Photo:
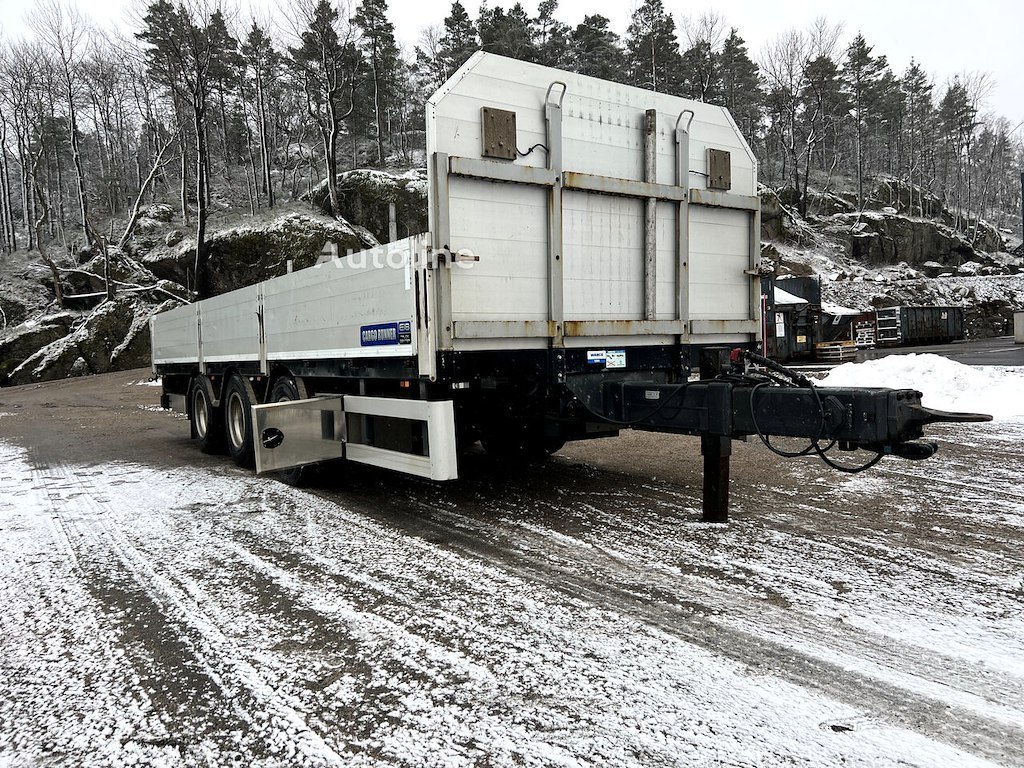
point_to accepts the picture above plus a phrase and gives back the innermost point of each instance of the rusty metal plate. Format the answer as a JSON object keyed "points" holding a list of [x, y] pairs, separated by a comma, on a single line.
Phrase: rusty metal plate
{"points": [[499, 133], [719, 169]]}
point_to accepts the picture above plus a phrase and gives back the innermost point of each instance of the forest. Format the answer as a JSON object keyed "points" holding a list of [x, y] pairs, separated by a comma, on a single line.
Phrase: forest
{"points": [[216, 111]]}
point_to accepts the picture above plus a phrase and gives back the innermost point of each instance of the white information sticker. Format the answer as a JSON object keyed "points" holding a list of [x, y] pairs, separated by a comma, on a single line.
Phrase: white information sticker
{"points": [[612, 358], [615, 358]]}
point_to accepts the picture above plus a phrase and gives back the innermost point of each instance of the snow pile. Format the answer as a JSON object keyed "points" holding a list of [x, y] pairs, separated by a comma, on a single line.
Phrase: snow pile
{"points": [[944, 384]]}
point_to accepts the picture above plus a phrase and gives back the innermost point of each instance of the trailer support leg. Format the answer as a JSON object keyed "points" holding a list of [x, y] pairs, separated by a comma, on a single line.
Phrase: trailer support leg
{"points": [[716, 451]]}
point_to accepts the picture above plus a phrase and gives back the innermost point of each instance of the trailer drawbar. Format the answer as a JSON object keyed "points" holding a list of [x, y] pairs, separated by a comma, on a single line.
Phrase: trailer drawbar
{"points": [[741, 394]]}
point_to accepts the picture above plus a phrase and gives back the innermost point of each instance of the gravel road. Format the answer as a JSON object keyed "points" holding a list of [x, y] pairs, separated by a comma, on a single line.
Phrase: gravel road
{"points": [[162, 607]]}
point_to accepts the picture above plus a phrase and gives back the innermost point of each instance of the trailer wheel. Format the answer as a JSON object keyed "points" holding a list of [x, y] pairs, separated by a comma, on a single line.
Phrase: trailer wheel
{"points": [[238, 422], [205, 419], [284, 390]]}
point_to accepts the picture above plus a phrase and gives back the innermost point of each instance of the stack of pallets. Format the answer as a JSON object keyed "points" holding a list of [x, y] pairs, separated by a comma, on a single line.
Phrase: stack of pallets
{"points": [[836, 351]]}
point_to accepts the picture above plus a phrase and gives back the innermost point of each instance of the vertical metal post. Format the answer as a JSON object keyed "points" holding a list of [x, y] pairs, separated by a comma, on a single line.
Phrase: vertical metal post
{"points": [[553, 120], [650, 216], [755, 264], [683, 221], [442, 242], [264, 365], [392, 224], [199, 337], [716, 449]]}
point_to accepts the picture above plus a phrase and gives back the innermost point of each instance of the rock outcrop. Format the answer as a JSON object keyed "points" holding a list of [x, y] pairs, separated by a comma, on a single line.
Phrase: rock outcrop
{"points": [[115, 336], [256, 250], [92, 333], [876, 239], [365, 193]]}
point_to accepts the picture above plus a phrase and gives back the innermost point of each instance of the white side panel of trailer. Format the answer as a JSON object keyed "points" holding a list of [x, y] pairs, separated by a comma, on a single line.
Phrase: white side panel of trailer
{"points": [[175, 336], [229, 326], [353, 306]]}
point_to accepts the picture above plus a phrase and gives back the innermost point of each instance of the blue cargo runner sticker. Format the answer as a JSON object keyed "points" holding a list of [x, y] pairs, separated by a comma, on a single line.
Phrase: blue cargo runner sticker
{"points": [[385, 334]]}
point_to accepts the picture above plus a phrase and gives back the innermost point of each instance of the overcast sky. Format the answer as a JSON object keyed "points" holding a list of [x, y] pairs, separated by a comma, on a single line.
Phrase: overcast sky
{"points": [[946, 37]]}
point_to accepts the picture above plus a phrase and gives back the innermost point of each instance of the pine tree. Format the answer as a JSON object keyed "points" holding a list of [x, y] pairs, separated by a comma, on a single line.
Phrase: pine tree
{"points": [[957, 116], [822, 107], [595, 50], [225, 65], [917, 93], [261, 72], [862, 74], [652, 49], [328, 66], [507, 33], [381, 51], [459, 41], [551, 36], [184, 53], [699, 75], [741, 90]]}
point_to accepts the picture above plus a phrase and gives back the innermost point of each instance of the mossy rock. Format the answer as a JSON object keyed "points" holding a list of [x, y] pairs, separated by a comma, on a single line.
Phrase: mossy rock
{"points": [[255, 250], [113, 337], [365, 194], [245, 255], [157, 212], [23, 341]]}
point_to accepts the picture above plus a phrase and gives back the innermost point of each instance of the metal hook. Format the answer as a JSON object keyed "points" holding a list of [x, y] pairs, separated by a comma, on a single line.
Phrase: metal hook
{"points": [[680, 118], [547, 96]]}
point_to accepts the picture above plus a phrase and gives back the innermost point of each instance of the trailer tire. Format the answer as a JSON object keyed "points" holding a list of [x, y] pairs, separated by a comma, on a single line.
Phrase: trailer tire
{"points": [[238, 422], [285, 389], [205, 419]]}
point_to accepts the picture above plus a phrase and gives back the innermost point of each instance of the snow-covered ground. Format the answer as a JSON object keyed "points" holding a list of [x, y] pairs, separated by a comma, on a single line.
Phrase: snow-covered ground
{"points": [[568, 616]]}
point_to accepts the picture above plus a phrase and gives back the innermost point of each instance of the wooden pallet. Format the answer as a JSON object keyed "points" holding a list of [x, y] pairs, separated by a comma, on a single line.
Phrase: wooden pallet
{"points": [[836, 351]]}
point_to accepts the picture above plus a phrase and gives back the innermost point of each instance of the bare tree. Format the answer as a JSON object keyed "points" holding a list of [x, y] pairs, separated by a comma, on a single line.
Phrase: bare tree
{"points": [[704, 36], [260, 73], [784, 65], [979, 86], [326, 60], [63, 30], [158, 165], [8, 235], [185, 48]]}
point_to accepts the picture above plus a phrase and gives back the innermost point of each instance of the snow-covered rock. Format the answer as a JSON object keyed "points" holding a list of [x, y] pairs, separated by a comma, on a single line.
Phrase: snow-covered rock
{"points": [[365, 193], [256, 248], [112, 337]]}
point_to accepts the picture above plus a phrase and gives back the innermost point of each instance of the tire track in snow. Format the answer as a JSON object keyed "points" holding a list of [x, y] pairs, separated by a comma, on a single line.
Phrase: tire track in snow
{"points": [[65, 690], [189, 666], [314, 583], [960, 725]]}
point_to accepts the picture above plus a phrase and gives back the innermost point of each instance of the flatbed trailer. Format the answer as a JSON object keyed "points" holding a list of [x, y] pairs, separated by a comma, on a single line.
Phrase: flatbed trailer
{"points": [[589, 244]]}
